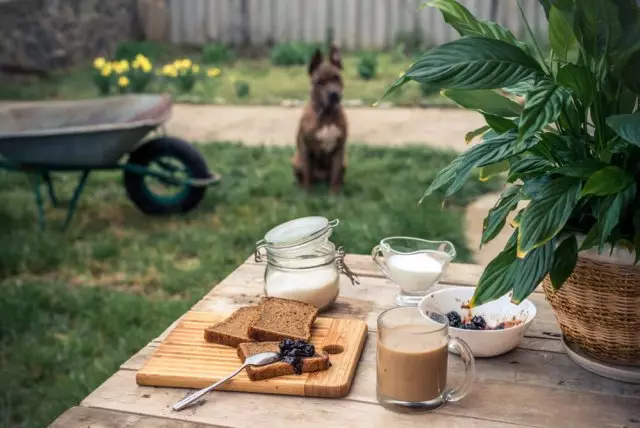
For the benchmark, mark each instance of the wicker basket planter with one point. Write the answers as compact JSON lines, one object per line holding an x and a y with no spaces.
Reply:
{"x":598,"y":309}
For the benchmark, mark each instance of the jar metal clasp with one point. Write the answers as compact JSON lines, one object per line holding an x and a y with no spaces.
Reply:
{"x":257,"y":254}
{"x":343,"y":268}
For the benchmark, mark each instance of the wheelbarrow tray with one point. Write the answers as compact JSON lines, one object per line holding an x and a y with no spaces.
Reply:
{"x":83,"y":134}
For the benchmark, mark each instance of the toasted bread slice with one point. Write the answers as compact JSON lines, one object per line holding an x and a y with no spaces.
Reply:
{"x":310,"y":364}
{"x":233,"y":330}
{"x":283,"y":319}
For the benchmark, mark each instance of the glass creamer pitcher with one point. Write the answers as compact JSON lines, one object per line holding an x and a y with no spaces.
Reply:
{"x":415,"y":265}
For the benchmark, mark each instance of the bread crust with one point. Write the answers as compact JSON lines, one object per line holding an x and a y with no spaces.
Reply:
{"x":217,"y":334}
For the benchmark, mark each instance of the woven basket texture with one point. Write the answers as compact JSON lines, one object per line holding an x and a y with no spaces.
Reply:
{"x":598,"y":309}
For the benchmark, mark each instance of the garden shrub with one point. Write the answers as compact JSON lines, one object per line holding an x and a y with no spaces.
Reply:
{"x":217,"y":53}
{"x":131,"y":49}
{"x":367,"y":66}
{"x":242,"y":88}
{"x":287,"y":54}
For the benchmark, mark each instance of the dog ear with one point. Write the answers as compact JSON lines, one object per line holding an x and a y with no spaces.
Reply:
{"x":316,"y":60}
{"x":335,"y":56}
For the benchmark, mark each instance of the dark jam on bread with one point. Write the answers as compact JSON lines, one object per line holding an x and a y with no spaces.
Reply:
{"x":293,"y":351}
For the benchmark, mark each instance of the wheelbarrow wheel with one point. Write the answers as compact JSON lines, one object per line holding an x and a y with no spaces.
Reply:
{"x":171,"y":153}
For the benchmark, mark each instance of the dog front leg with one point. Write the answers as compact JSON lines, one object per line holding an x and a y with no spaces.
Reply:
{"x":304,"y":166}
{"x":337,"y":167}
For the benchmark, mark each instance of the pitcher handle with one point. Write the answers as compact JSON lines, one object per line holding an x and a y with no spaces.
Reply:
{"x":464,"y":388}
{"x":381,"y":265}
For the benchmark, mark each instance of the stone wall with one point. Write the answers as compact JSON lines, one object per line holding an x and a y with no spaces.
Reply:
{"x":52,"y":34}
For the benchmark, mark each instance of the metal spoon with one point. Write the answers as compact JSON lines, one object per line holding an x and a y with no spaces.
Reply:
{"x":261,"y":359}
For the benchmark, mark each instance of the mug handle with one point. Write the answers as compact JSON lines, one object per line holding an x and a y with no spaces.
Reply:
{"x":383,"y":267}
{"x":464,"y":388}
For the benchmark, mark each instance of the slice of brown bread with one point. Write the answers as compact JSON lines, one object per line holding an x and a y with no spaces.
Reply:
{"x":233,"y":330}
{"x":283,"y":319}
{"x":310,"y":364}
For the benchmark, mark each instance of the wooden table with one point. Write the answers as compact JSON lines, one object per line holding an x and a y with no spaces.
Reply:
{"x":534,"y":385}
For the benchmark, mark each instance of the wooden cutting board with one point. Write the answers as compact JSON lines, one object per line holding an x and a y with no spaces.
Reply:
{"x":186,"y":360}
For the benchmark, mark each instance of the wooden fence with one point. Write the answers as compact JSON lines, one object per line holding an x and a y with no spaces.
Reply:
{"x":354,"y":24}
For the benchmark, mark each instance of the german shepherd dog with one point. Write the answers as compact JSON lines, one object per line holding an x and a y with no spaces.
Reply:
{"x":322,"y":131}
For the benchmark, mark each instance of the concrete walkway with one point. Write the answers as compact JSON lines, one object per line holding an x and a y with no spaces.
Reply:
{"x":436,"y":127}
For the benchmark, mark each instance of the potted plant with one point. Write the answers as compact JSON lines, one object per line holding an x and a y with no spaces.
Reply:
{"x":565,"y":127}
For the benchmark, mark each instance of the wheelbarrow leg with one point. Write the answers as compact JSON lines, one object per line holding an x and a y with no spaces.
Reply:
{"x":76,"y":196}
{"x":52,"y":193}
{"x":36,"y":190}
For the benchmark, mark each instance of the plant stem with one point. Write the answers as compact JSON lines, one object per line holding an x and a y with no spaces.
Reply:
{"x":535,"y":41}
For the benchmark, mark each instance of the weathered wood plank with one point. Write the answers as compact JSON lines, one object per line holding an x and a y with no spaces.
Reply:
{"x":85,"y":417}
{"x":527,"y":365}
{"x":242,"y":409}
{"x":496,"y":401}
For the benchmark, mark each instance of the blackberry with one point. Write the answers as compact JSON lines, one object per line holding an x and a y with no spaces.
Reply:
{"x":479,"y":322}
{"x":454,"y":319}
{"x":293,"y":351}
{"x":500,"y":326}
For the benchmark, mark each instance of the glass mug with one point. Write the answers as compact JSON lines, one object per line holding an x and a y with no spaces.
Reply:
{"x":412,"y":358}
{"x":415,"y":265}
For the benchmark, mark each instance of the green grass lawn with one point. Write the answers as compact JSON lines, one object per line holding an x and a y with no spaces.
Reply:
{"x":75,"y":305}
{"x":269,"y":85}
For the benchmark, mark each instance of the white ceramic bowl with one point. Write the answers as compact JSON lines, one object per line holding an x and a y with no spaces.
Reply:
{"x":483,"y":343}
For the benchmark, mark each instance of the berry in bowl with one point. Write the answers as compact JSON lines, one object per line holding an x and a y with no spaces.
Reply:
{"x":491,"y":329}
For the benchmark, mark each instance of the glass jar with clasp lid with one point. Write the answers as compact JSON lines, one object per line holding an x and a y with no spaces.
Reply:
{"x":302,"y":264}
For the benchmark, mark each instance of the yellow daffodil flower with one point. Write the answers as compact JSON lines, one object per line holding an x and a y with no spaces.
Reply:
{"x":195,"y":68}
{"x":169,"y":70}
{"x":181,"y":64}
{"x":124,"y":65}
{"x":98,"y":63}
{"x":106,"y":70}
{"x":213,"y":72}
{"x":123,"y":81}
{"x":146,"y":67}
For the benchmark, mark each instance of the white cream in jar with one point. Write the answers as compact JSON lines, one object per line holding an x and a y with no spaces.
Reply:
{"x":319,"y":287}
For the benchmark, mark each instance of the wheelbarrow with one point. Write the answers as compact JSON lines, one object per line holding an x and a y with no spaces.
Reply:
{"x":162,"y":174}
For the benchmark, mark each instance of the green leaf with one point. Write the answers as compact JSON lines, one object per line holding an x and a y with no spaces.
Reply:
{"x":475,"y":133}
{"x":565,"y":258}
{"x":498,"y":277}
{"x":606,"y":181}
{"x":609,"y":213}
{"x":597,"y":27}
{"x":521,"y":88}
{"x":485,"y":101}
{"x":561,"y":37}
{"x":577,"y":78}
{"x":493,"y":149}
{"x":531,"y":271}
{"x":466,"y":24}
{"x":473,"y":63}
{"x":486,"y":172}
{"x":529,"y":166}
{"x":499,"y":124}
{"x":497,"y":217}
{"x":627,"y":126}
{"x":564,"y":148}
{"x":581,"y":169}
{"x":547,"y":213}
{"x":543,"y":105}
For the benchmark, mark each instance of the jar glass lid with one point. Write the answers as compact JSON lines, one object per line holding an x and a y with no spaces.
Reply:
{"x":297,"y":231}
